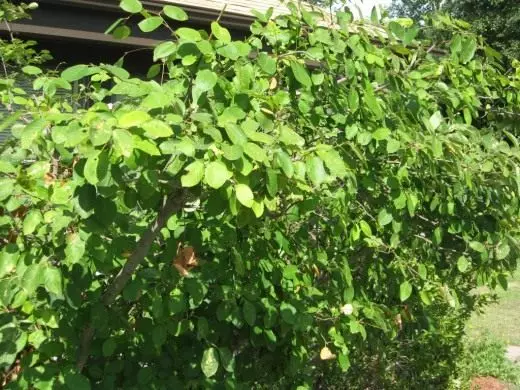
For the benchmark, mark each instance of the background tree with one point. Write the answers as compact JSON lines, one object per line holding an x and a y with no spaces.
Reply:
{"x":415,"y":9}
{"x":497,"y":20}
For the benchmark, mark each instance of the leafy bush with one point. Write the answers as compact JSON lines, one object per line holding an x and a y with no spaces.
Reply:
{"x":257,"y":214}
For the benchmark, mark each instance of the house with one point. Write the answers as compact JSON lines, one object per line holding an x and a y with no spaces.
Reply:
{"x":73,"y":30}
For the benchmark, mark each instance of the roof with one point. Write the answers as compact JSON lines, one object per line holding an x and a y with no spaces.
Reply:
{"x":239,"y":7}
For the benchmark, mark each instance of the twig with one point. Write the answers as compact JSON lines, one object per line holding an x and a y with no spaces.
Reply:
{"x":218,"y":19}
{"x":171,"y":204}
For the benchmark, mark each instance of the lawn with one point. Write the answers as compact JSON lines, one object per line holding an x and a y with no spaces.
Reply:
{"x":500,"y":321}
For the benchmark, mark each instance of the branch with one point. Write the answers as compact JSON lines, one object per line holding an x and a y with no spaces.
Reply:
{"x":172,"y":204}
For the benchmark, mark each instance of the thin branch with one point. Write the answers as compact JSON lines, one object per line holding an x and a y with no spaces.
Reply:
{"x":218,"y":19}
{"x":171,"y":205}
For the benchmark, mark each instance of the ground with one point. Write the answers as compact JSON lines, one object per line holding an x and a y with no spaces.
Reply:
{"x":488,"y":383}
{"x":500,"y":321}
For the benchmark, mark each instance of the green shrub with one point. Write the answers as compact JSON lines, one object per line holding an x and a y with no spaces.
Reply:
{"x":261,"y":213}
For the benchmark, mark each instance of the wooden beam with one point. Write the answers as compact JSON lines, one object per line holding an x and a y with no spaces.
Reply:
{"x":77,"y":35}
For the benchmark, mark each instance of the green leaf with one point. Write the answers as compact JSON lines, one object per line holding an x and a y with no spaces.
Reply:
{"x":75,"y":248}
{"x":157,"y":129}
{"x":210,"y":362}
{"x":436,"y":120}
{"x":217,"y":174}
{"x":234,"y":50}
{"x":123,"y":141}
{"x":272,"y":182}
{"x":405,"y":291}
{"x":133,"y":118}
{"x":76,"y":381}
{"x":131,"y":6}
{"x":31,"y":221}
{"x":150,"y":24}
{"x":53,"y":281}
{"x":194,"y":176}
{"x":62,"y":193}
{"x":258,"y":208}
{"x":77,"y":72}
{"x":244,"y":195}
{"x":7,"y":167}
{"x":284,"y":161}
{"x":235,"y":134}
{"x":353,"y":99}
{"x":8,"y":259}
{"x":255,"y":152}
{"x":6,"y":188}
{"x":31,"y":132}
{"x":122,"y":32}
{"x":205,"y":80}
{"x":32,"y":278}
{"x":381,"y":134}
{"x":232,"y":152}
{"x":147,"y":146}
{"x":288,"y":313}
{"x":316,"y":170}
{"x":502,"y":250}
{"x":111,"y":28}
{"x":469,"y":47}
{"x":175,"y":13}
{"x":333,"y":162}
{"x":267,"y":63}
{"x":344,"y":362}
{"x":477,"y":246}
{"x":188,"y":34}
{"x":221,"y":33}
{"x":249,"y":311}
{"x":31,"y":70}
{"x":463,"y":264}
{"x":290,"y":137}
{"x":227,"y":359}
{"x":109,"y":347}
{"x":301,"y":74}
{"x":90,"y":171}
{"x":384,"y":217}
{"x":163,"y":50}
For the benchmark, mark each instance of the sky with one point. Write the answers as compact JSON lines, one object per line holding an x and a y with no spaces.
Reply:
{"x":366,"y":5}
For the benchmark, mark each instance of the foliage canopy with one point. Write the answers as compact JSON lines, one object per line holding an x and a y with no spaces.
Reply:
{"x":274,"y":211}
{"x":496,"y":20}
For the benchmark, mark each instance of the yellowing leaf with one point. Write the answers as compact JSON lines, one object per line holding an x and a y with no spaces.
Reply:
{"x":326,"y":354}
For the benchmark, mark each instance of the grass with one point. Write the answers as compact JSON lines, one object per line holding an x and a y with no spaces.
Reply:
{"x":485,"y":358}
{"x":488,"y":334}
{"x":500,"y":321}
